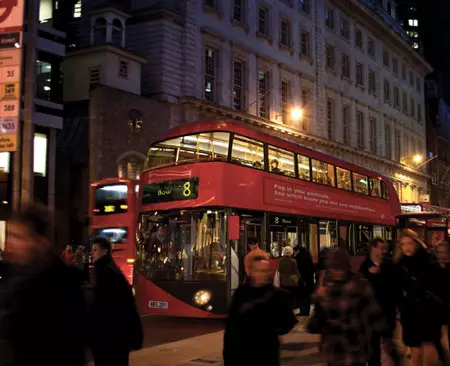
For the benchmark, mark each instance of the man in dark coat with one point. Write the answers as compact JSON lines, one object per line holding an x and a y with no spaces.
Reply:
{"x":380,"y":272}
{"x":115,"y":326}
{"x":259,"y":313}
{"x":307,"y":271}
{"x":41,"y":301}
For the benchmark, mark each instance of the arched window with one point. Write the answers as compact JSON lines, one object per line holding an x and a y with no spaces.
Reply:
{"x":130,"y":165}
{"x":99,"y":31}
{"x":117,"y":33}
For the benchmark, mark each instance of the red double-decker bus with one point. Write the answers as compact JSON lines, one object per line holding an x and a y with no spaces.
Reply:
{"x":210,"y":187}
{"x":114,"y":215}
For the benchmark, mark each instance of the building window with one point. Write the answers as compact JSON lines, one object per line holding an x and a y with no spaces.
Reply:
{"x":418,"y":88}
{"x":305,"y":97}
{"x":405,"y":103}
{"x":359,"y":130}
{"x":396,"y":97}
{"x":397,"y":146}
{"x":372,"y":82}
{"x":419,"y":147}
{"x":359,"y":74}
{"x":371,"y":47}
{"x":358,"y":38}
{"x":395,"y":65}
{"x":330,"y":56}
{"x":387,"y":91}
{"x":40,"y":154}
{"x":210,"y":74}
{"x":285,"y":32}
{"x":385,"y":57}
{"x":413,"y":22}
{"x":263,"y":20}
{"x":94,"y":75}
{"x":345,"y":29}
{"x":345,"y":66}
{"x":387,"y":141}
{"x":238,"y":85}
{"x":330,"y":119}
{"x":263,"y":93}
{"x":411,"y":78}
{"x":210,"y":3}
{"x":123,"y":69}
{"x":43,"y":81}
{"x":419,"y":113}
{"x":346,"y":124}
{"x":285,"y":98}
{"x":329,"y":18}
{"x":403,"y":72}
{"x":77,"y":8}
{"x":373,"y":135}
{"x":45,"y":12}
{"x":412,"y":107}
{"x":406,"y":147}
{"x":305,"y":46}
{"x":238,"y":10}
{"x":305,"y":6}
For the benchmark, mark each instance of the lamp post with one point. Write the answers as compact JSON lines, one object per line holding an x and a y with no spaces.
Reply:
{"x":418,"y":159}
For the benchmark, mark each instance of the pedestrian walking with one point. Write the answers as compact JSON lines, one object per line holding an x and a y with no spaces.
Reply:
{"x":258,"y":315}
{"x":254,"y":251}
{"x":68,"y":256}
{"x":287,"y":275}
{"x":115,"y":328}
{"x":40,"y":298}
{"x":380,"y":272}
{"x":307,"y":270}
{"x":418,"y":310}
{"x":346,"y":313}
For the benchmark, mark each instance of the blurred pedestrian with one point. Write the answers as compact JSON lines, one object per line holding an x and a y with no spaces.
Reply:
{"x":288,"y":275}
{"x":115,"y":325}
{"x":307,"y":270}
{"x":258,"y":314}
{"x":346,"y":313}
{"x":380,"y":272}
{"x":441,"y":281}
{"x":40,"y":299}
{"x":254,"y":250}
{"x":79,"y":258}
{"x":418,"y":310}
{"x":68,"y":256}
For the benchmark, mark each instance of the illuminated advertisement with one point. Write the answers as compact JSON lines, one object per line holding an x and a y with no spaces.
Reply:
{"x":11,"y":22}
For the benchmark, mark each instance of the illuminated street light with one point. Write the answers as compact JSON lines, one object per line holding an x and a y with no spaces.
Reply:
{"x":418,"y":158}
{"x":296,"y":114}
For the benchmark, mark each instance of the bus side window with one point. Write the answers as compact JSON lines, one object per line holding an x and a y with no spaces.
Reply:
{"x":247,"y":152}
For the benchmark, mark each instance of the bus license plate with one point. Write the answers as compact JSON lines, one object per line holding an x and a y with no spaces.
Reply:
{"x":158,"y":305}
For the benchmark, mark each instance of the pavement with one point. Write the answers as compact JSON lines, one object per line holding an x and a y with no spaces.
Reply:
{"x":298,"y":348}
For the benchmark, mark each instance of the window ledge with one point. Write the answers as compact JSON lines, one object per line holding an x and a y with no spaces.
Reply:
{"x":306,"y":58}
{"x":285,"y":47}
{"x":264,"y":37}
{"x":361,"y":87}
{"x":331,"y":70}
{"x":239,"y":24}
{"x":347,"y":79}
{"x":213,"y":10}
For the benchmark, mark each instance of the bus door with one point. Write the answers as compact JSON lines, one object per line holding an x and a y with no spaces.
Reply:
{"x":283,"y":231}
{"x":251,"y":229}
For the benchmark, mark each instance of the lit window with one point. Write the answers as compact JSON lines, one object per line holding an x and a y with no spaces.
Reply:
{"x":281,"y":161}
{"x":43,"y":80}
{"x":210,"y":74}
{"x":360,"y":183}
{"x":77,"y":10}
{"x":45,"y":11}
{"x":323,"y":173}
{"x":344,"y":180}
{"x":303,"y":167}
{"x":413,"y":22}
{"x":40,"y":154}
{"x":248,"y":152}
{"x":4,"y":162}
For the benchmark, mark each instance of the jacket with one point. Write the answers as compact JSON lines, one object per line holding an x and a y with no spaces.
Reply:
{"x":348,"y":316}
{"x":113,"y":318}
{"x":253,"y":253}
{"x":288,"y":272}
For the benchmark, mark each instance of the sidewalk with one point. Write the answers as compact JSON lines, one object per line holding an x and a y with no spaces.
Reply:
{"x":298,"y":348}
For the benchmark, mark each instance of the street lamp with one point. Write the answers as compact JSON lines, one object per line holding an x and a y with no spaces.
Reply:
{"x":418,"y":158}
{"x":296,"y":114}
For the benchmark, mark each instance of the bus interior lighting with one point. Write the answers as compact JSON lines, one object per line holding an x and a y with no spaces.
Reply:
{"x":130,"y":260}
{"x":123,"y":207}
{"x":115,"y":188}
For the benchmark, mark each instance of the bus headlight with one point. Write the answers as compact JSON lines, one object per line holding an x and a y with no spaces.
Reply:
{"x":202,"y":297}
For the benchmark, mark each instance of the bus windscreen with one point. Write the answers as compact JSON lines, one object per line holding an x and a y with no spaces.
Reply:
{"x":111,"y":199}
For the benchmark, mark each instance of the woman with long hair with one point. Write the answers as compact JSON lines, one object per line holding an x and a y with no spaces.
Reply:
{"x":420,"y":325}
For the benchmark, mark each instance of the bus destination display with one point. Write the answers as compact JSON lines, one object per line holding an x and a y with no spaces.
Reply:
{"x":171,"y":190}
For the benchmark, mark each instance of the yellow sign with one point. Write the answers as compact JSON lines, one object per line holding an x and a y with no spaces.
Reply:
{"x":8,"y":143}
{"x":10,"y":91}
{"x":109,"y":208}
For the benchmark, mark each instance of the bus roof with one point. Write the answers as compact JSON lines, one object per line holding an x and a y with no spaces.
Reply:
{"x":257,"y":134}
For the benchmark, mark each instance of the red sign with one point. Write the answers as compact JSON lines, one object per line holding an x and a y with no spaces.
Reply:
{"x":317,"y":198}
{"x":11,"y":15}
{"x":233,"y":227}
